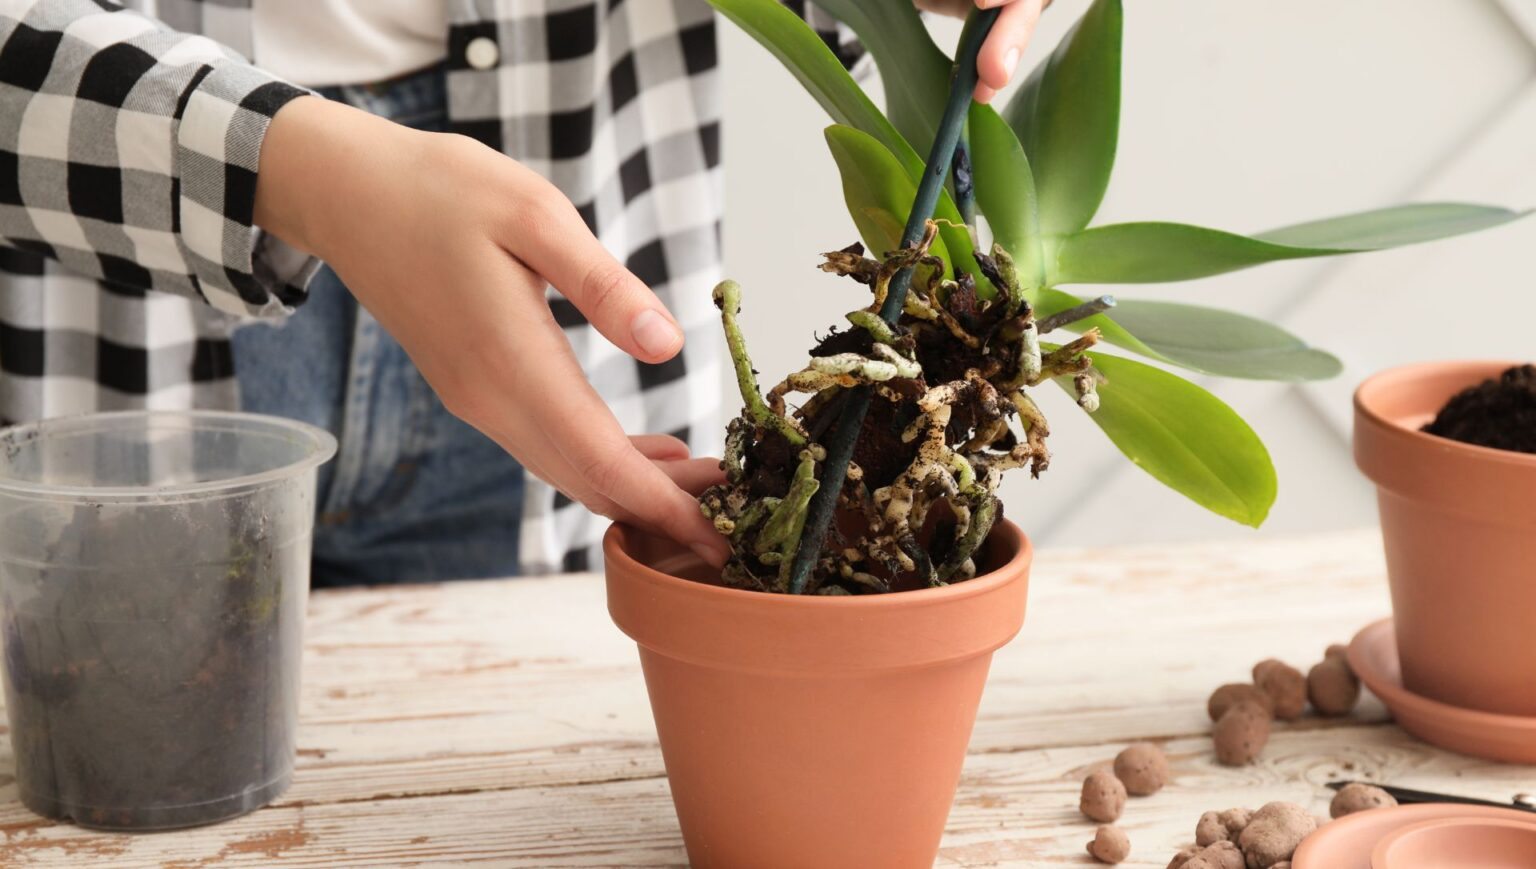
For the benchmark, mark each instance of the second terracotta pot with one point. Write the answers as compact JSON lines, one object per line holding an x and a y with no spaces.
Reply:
{"x":1459,"y":526}
{"x":812,"y":732}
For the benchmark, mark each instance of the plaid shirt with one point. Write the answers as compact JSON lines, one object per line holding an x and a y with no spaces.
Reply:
{"x":128,"y":157}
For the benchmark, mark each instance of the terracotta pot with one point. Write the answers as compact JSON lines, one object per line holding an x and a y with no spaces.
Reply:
{"x":812,"y":731}
{"x":1459,"y":524}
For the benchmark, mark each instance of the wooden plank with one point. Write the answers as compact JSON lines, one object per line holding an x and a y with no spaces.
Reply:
{"x":433,"y":689}
{"x":505,"y":722}
{"x":1016,"y":809}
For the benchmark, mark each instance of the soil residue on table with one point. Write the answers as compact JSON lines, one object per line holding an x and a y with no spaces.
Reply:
{"x":1499,"y":413}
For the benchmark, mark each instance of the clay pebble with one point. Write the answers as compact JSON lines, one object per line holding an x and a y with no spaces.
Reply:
{"x":1235,"y":820}
{"x":1332,"y":687}
{"x":1216,"y":826}
{"x":1274,"y":832}
{"x":1231,"y":694}
{"x":1358,"y":797}
{"x":1183,"y":857}
{"x":1103,"y":796}
{"x":1109,"y":845}
{"x":1241,"y":734}
{"x":1142,"y":768}
{"x":1219,"y":855}
{"x":1285,"y":685}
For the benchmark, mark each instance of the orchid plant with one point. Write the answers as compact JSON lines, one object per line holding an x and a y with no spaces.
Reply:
{"x":885,"y":477}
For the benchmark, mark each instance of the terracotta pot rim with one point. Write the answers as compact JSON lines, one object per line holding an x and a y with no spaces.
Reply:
{"x":1367,"y":413}
{"x":614,"y":548}
{"x":728,"y":628}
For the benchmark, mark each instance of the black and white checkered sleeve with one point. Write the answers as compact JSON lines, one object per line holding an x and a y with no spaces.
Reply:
{"x":129,"y":151}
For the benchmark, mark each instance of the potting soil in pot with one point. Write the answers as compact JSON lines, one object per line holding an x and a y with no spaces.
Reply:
{"x":151,"y":667}
{"x":1499,"y":413}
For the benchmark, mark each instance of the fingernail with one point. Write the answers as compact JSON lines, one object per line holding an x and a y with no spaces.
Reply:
{"x":655,"y":334}
{"x":1010,"y":60}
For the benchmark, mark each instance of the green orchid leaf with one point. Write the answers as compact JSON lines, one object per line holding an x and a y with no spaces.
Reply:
{"x":1140,"y":253}
{"x":801,"y":51}
{"x":1207,"y":340}
{"x":1185,"y":437}
{"x":1005,"y":191}
{"x":873,"y":181}
{"x":1392,"y":227}
{"x":1067,"y":114}
{"x":1213,"y":341}
{"x":878,"y":191}
{"x":879,"y":228}
{"x":914,"y":71}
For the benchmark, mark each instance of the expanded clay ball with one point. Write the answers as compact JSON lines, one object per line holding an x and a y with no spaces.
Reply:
{"x":1285,"y":686}
{"x":1357,"y":797}
{"x":1273,"y":833}
{"x":1109,"y":845}
{"x":1211,"y":830}
{"x":1231,"y":694}
{"x":1235,"y":820}
{"x":1337,"y":651}
{"x":1143,"y":768}
{"x":1184,"y":856}
{"x":1103,"y":796}
{"x":1332,"y":687}
{"x":1221,"y":855}
{"x":1241,"y":734}
{"x":1216,"y":827}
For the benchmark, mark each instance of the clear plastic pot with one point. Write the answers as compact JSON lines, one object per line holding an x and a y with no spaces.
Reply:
{"x":154,"y":567}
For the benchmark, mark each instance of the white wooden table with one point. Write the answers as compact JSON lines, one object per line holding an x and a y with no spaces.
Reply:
{"x":505,"y":723}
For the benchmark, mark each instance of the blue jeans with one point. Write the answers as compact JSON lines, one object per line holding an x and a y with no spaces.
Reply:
{"x":414,"y":494}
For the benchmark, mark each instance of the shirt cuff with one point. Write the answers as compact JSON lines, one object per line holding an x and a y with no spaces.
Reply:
{"x":239,"y":269}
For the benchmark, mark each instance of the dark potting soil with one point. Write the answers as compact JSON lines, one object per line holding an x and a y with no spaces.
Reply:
{"x":1499,"y":413}
{"x":159,"y":692}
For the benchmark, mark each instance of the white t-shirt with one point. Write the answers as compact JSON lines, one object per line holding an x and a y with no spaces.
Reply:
{"x":329,"y":42}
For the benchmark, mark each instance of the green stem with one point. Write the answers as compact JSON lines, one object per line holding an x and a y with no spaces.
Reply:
{"x":962,"y":84}
{"x":964,"y":183}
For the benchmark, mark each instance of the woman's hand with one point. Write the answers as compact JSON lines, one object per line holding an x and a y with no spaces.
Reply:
{"x":1005,"y":44}
{"x":450,"y":245}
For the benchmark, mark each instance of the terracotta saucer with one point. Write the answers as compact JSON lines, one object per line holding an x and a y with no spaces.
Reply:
{"x":1486,"y":843}
{"x":1348,"y":842}
{"x":1508,"y":738}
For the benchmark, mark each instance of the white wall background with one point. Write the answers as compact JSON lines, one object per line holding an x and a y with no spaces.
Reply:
{"x":1240,"y":116}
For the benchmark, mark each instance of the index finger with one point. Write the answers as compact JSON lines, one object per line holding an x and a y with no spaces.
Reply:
{"x":556,"y":243}
{"x":590,"y":439}
{"x":596,"y":447}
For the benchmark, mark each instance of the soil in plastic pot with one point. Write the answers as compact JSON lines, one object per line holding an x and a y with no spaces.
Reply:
{"x":161,"y":691}
{"x":1500,"y":413}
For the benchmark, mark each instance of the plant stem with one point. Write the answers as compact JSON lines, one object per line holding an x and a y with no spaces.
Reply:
{"x":964,"y":184}
{"x":834,"y":469}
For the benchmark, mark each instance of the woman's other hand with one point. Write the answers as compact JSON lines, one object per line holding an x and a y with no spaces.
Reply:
{"x":1005,"y":44}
